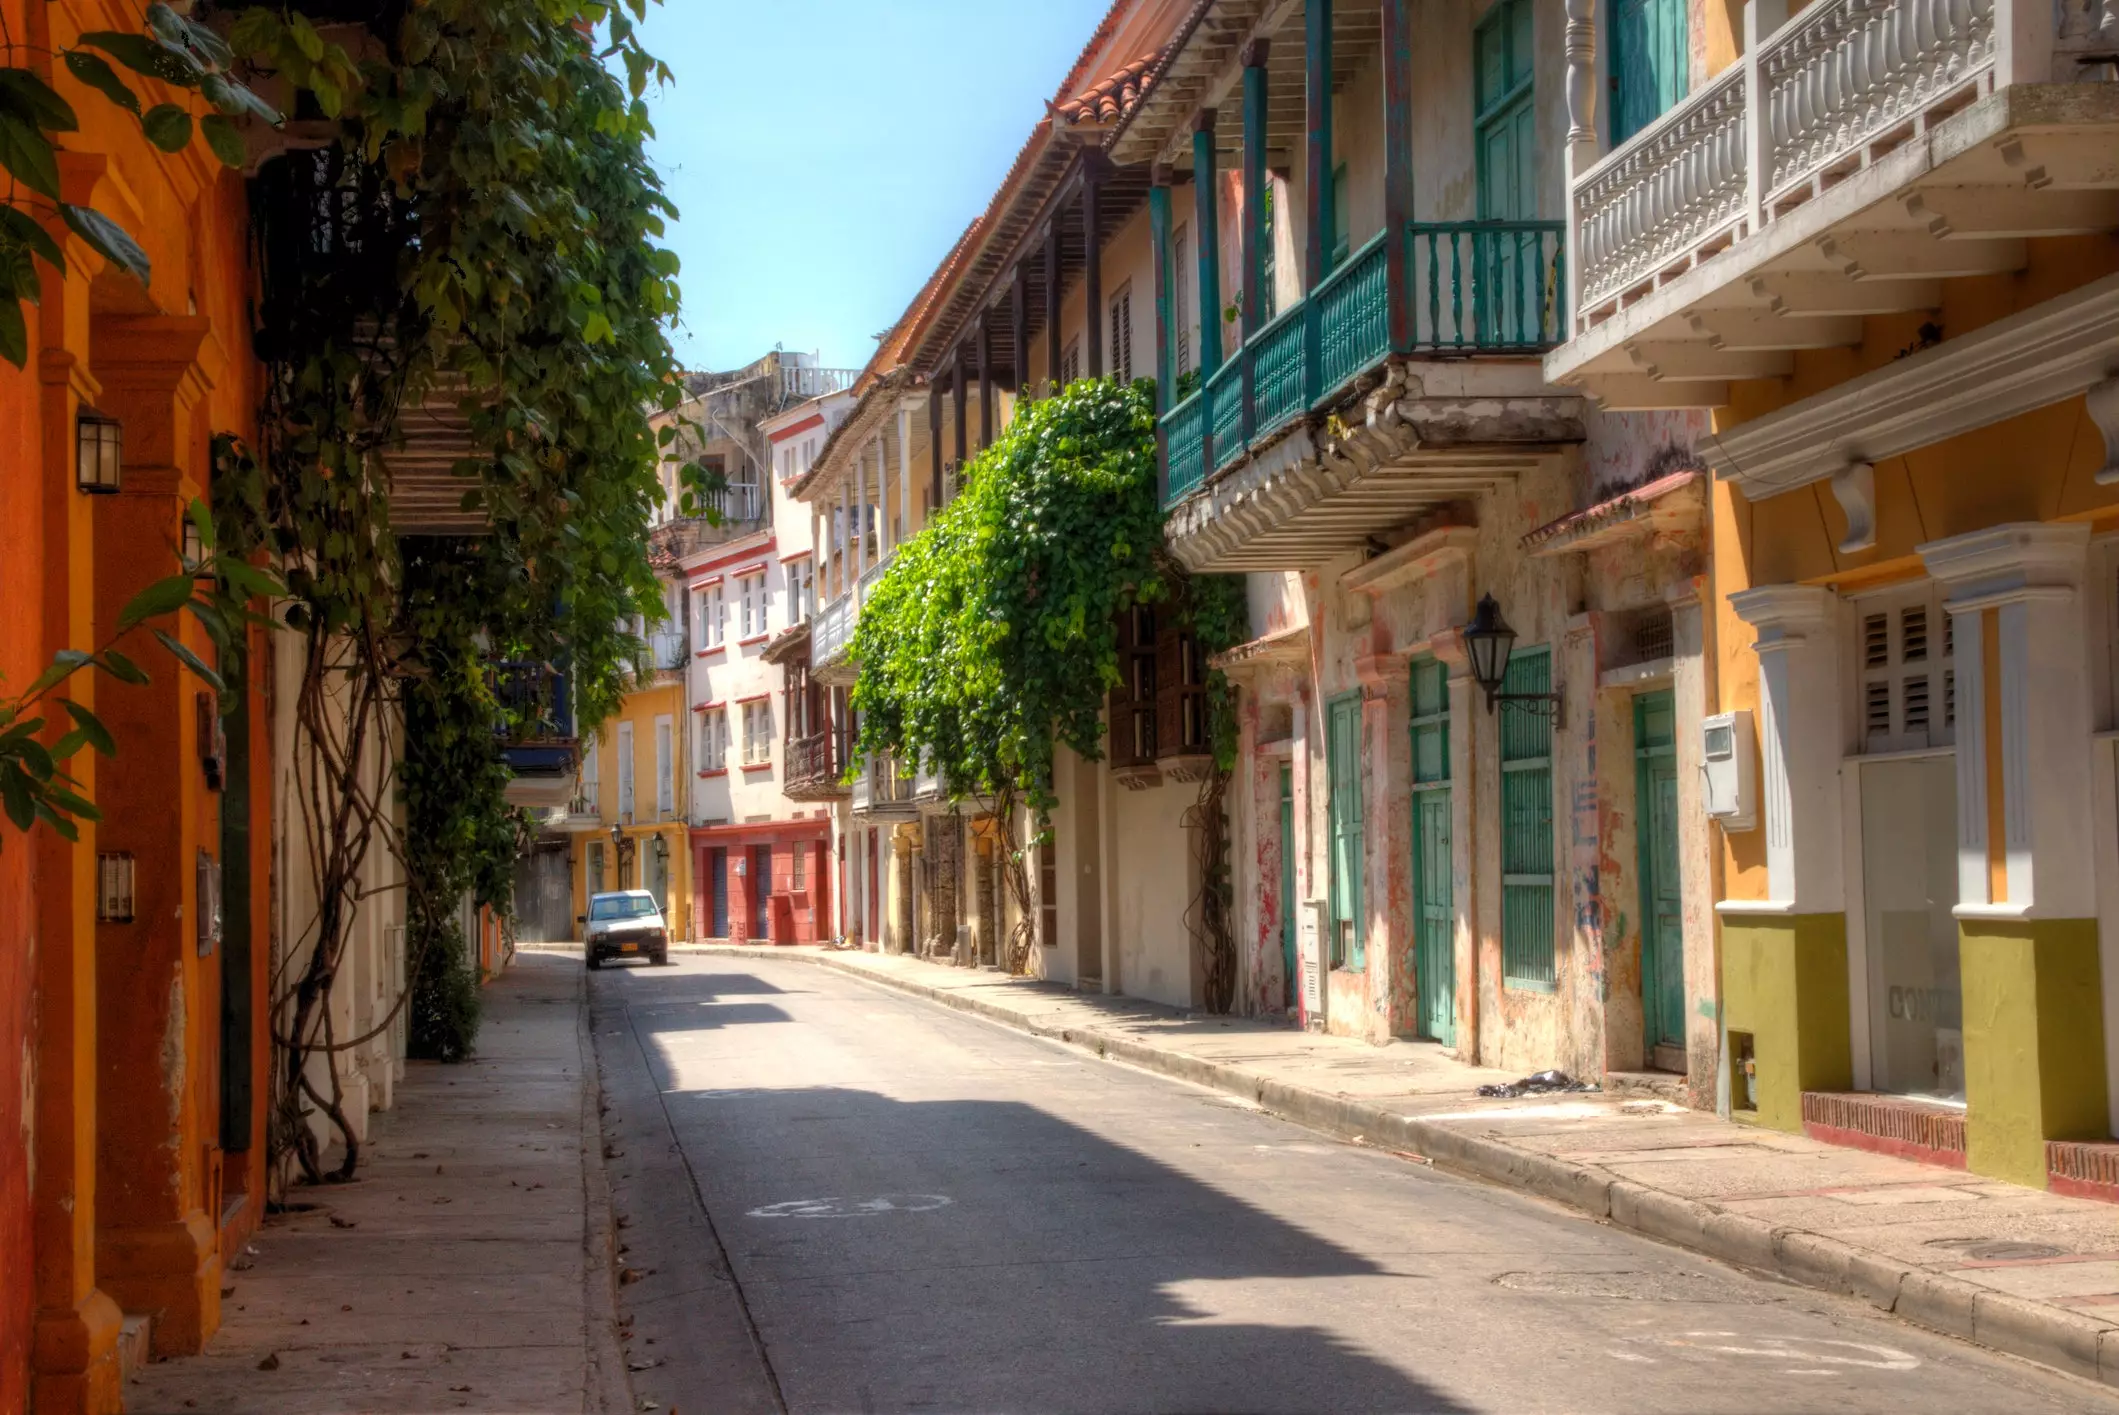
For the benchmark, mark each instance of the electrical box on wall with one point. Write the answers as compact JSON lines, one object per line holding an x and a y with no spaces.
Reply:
{"x":1729,"y":770}
{"x":1309,"y":950}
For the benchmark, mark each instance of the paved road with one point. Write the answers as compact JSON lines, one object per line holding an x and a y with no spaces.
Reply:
{"x":910,"y":1209}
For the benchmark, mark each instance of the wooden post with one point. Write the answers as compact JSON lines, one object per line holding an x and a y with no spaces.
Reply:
{"x":1398,"y":168}
{"x":958,"y":393}
{"x":934,"y":443}
{"x":1019,"y":333}
{"x":1159,"y":244}
{"x":983,"y":335}
{"x":1053,"y":350}
{"x":1317,"y":90}
{"x":905,"y":474}
{"x":1208,"y":220}
{"x":1257,"y":231}
{"x":1093,"y":271}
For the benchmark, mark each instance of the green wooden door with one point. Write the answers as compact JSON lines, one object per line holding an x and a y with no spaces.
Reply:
{"x":1527,"y":918}
{"x":1662,"y":917}
{"x":1506,"y":268}
{"x":1650,"y":57}
{"x":1434,"y":913}
{"x":1343,"y":758}
{"x":1290,"y":968}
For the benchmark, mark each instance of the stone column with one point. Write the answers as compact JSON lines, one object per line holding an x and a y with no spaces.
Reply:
{"x":1387,"y":843}
{"x":1785,"y":956}
{"x":2029,"y":959}
{"x":157,"y":978}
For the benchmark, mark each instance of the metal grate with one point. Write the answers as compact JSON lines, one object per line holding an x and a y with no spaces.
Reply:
{"x":1653,"y":637}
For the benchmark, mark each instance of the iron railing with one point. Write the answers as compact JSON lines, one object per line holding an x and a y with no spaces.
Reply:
{"x":1474,"y":287}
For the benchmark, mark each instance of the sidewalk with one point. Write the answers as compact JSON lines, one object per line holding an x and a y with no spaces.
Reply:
{"x":2015,"y":1269}
{"x":467,"y":1268}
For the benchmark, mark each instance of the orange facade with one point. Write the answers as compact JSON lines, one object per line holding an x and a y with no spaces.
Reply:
{"x":123,"y":1190}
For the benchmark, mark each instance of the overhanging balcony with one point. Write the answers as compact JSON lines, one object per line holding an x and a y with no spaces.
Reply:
{"x":883,"y":788}
{"x":813,"y":769}
{"x":831,"y":642}
{"x":1320,"y":433}
{"x":1860,"y":154}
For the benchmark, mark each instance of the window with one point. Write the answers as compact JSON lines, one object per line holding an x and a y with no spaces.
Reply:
{"x":1434,"y":931}
{"x":750,"y":591}
{"x":757,"y":733}
{"x":1181,"y":285}
{"x":1133,"y":701}
{"x":713,"y":740}
{"x":1506,"y":137}
{"x":706,"y":618}
{"x":1526,"y":828}
{"x":625,"y":771}
{"x":798,"y":872}
{"x":589,"y":780}
{"x":801,"y":591}
{"x":595,"y":867}
{"x":1071,"y":361}
{"x":1342,"y":218}
{"x":665,"y":769}
{"x":746,"y":499}
{"x":1122,"y":333}
{"x":1047,"y":892}
{"x":1908,"y":649}
{"x":1649,"y":56}
{"x":1343,"y":758}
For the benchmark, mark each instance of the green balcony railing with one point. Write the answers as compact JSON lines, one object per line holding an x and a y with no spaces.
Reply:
{"x":1183,"y":429}
{"x":1280,"y":388}
{"x":1487,"y":287}
{"x":1472,"y":287}
{"x":1353,"y":314}
{"x":1225,"y":411}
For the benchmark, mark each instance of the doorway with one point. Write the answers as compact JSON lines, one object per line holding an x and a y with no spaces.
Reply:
{"x":1909,"y":893}
{"x":1288,"y":966}
{"x":717,"y":889}
{"x":761,"y":875}
{"x":1662,"y":913}
{"x":1434,"y":898}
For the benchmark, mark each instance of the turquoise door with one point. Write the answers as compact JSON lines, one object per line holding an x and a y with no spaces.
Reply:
{"x":1650,"y":56}
{"x":1434,"y":924}
{"x":1662,"y":917}
{"x":1507,"y":273}
{"x":1343,"y":757}
{"x":1288,"y":903}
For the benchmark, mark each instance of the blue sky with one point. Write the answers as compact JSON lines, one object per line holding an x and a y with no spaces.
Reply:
{"x":825,"y":155}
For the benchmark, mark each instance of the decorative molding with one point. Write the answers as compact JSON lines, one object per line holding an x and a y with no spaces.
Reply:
{"x":1581,"y":53}
{"x":2103,"y":402}
{"x":1416,"y":560}
{"x":2008,"y":564}
{"x":1854,"y":487}
{"x":2052,"y":351}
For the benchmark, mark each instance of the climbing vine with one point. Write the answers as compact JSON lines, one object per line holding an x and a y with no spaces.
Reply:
{"x":991,"y":640}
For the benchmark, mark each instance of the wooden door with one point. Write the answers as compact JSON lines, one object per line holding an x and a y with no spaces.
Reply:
{"x":1343,"y":759}
{"x":1434,"y":901}
{"x":717,"y":886}
{"x":1650,"y":59}
{"x":1290,"y":968}
{"x":1507,"y":270}
{"x":1662,"y":914}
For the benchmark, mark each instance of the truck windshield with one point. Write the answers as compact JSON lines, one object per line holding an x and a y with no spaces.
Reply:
{"x":621,"y":907}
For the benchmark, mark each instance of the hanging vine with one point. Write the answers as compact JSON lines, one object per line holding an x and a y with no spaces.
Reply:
{"x":476,"y":250}
{"x":991,"y":641}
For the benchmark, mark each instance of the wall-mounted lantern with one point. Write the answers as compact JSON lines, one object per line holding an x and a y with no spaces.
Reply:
{"x":1489,"y":643}
{"x":114,"y":887}
{"x":99,"y":453}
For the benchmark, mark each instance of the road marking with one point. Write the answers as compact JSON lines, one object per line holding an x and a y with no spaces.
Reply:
{"x":852,"y":1208}
{"x":1804,"y":1348}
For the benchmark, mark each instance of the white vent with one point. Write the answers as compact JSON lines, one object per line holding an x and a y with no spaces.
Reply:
{"x":1902,"y":675}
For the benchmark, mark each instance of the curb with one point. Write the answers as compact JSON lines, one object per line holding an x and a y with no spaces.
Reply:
{"x":608,"y":1390}
{"x":2064,"y":1340}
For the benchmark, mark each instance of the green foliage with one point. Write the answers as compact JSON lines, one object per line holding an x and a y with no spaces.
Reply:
{"x":443,"y":1010}
{"x":991,"y":638}
{"x":176,"y":51}
{"x":34,"y":785}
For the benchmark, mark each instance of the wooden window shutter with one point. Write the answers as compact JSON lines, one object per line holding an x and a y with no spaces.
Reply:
{"x":1169,"y":689}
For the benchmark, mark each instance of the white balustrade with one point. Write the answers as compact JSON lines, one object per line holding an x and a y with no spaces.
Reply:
{"x":1839,"y":75}
{"x":833,"y":633}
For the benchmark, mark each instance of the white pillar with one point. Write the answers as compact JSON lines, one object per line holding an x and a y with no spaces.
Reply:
{"x":905,"y":469}
{"x":1801,"y":743}
{"x":855,"y":528}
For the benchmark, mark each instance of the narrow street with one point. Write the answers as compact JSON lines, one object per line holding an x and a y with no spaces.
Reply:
{"x":921,"y":1211}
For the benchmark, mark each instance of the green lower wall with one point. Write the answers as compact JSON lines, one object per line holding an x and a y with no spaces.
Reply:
{"x":2033,"y":1042}
{"x":1784,"y":981}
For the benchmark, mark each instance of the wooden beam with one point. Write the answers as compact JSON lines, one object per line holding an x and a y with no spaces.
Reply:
{"x":1207,"y":220}
{"x":1257,"y":228}
{"x":1093,"y":271}
{"x":1317,"y":170}
{"x":957,"y":396}
{"x":1159,"y":247}
{"x":934,"y":445}
{"x":1019,"y":332}
{"x":980,"y":333}
{"x":1053,"y":350}
{"x":1398,"y":166}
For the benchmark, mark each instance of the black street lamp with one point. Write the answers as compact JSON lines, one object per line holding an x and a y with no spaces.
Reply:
{"x":1489,"y":643}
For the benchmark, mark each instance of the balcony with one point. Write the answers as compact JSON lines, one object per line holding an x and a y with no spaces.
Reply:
{"x":813,"y":771}
{"x":1346,"y":436}
{"x":831,"y":640}
{"x":582,"y":812}
{"x":534,"y":728}
{"x":1858,"y":155}
{"x":881,"y":789}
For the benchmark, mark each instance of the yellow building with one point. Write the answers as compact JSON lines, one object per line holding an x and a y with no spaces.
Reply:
{"x":628,"y":821}
{"x":1902,"y":303}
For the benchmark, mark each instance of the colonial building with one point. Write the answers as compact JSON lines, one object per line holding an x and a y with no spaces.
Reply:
{"x":1876,"y":241}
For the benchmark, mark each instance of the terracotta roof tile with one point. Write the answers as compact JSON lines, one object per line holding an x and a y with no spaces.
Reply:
{"x":1112,"y":97}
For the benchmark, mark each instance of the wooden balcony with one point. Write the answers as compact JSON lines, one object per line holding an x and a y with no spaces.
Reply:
{"x":1860,"y":154}
{"x":814,"y":768}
